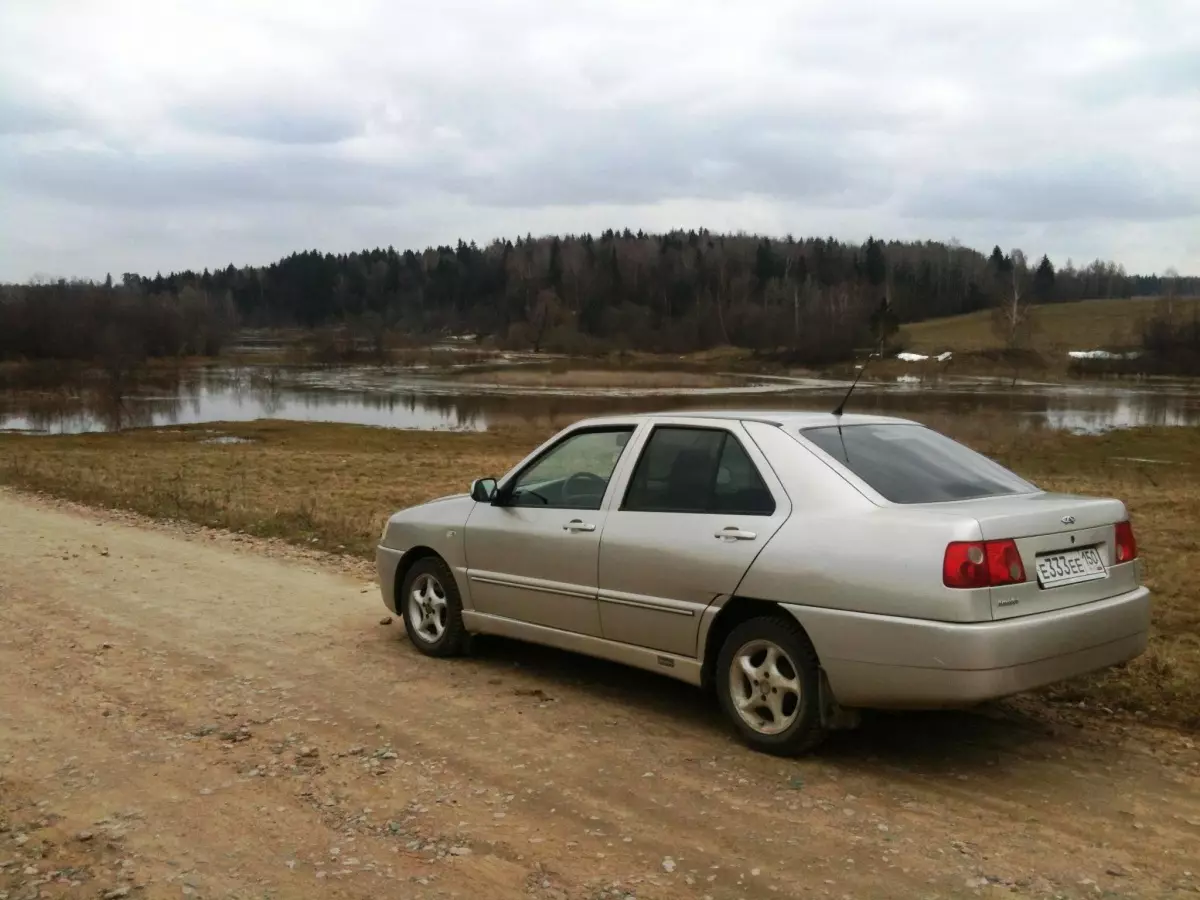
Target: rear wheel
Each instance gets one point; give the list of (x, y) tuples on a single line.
[(768, 681), (433, 609)]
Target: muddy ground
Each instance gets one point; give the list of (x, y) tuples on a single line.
[(191, 713)]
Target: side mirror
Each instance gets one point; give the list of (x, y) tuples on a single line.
[(483, 490)]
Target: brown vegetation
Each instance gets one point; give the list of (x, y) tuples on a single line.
[(114, 327), (332, 486), (1086, 325)]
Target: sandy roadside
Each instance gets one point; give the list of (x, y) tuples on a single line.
[(186, 712)]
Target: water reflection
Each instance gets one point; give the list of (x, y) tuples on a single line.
[(397, 399)]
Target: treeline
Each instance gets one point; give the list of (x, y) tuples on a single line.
[(814, 300), (114, 326), (672, 292)]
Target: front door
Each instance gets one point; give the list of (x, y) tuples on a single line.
[(700, 506), (532, 554)]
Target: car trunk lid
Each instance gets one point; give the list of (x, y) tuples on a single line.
[(1066, 544)]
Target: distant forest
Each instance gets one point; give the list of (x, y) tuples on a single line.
[(813, 299)]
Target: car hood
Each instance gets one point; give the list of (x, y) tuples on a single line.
[(441, 509), (445, 499)]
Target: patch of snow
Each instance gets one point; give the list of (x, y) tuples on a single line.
[(942, 357), (1102, 354), (911, 357)]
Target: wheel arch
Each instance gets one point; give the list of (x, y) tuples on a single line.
[(413, 556), (739, 609), (734, 612)]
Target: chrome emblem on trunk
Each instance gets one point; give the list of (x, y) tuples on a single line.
[(1068, 520)]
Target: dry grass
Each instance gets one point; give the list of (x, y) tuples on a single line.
[(329, 485), (333, 485), (1086, 325)]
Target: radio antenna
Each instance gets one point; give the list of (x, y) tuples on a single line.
[(841, 407)]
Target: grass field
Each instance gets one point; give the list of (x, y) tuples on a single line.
[(332, 486), (1086, 325)]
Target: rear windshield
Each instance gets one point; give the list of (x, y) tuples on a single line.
[(912, 464)]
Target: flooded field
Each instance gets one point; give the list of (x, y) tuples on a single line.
[(395, 397)]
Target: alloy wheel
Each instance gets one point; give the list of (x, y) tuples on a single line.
[(427, 609), (764, 685)]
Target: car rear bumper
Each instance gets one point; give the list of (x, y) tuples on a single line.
[(877, 661), (386, 562)]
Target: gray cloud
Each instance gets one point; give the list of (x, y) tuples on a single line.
[(246, 126), (660, 155), (1084, 189), (124, 180), (21, 116), (268, 123), (1168, 72), (604, 158)]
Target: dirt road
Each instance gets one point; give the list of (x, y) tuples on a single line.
[(190, 713)]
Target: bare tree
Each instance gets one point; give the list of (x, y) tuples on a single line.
[(1170, 290), (788, 261), (1013, 321)]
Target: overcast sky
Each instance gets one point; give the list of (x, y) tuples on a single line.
[(141, 135)]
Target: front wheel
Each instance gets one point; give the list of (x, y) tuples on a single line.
[(433, 609), (768, 681)]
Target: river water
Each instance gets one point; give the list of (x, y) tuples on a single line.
[(404, 398)]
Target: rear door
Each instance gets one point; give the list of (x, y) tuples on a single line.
[(700, 504)]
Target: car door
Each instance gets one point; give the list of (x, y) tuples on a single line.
[(532, 554), (700, 504)]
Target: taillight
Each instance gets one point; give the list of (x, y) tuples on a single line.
[(980, 564), (964, 565), (1126, 542), (1004, 563)]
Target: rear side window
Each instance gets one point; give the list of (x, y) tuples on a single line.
[(913, 464), (697, 470)]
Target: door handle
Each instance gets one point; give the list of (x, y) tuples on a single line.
[(733, 533), (579, 525)]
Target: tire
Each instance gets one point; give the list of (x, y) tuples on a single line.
[(431, 607), (787, 720)]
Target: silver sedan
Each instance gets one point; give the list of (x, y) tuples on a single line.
[(804, 565)]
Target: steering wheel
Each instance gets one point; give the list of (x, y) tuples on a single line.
[(583, 485)]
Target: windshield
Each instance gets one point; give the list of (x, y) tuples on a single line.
[(913, 464)]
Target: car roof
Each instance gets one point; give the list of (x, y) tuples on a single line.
[(782, 418)]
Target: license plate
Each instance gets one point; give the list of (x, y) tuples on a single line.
[(1070, 567)]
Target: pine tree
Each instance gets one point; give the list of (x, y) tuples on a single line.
[(875, 264), (1043, 281)]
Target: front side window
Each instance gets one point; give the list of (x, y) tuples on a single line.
[(573, 474), (914, 464), (696, 470)]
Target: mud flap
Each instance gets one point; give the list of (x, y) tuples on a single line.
[(834, 716)]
